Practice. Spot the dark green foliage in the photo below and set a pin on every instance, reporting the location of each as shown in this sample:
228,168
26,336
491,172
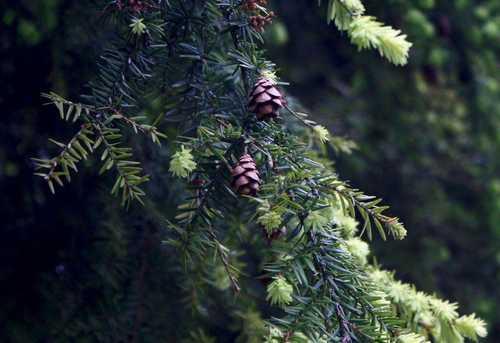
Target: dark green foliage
109,279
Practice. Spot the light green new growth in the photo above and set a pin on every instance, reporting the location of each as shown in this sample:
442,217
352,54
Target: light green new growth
411,338
279,292
182,163
427,316
321,133
315,220
275,335
366,32
341,12
221,279
359,249
347,224
269,219
138,27
471,327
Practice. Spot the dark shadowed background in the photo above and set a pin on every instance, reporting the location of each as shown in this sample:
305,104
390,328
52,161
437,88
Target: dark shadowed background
428,138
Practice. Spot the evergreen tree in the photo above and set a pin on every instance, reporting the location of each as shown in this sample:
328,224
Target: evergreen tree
264,245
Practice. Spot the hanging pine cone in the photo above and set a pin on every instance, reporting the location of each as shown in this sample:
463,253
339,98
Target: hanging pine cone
246,177
259,22
274,235
253,5
265,99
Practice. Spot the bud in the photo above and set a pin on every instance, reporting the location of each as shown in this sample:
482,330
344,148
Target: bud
321,133
270,221
398,231
471,327
279,292
358,249
443,309
220,278
138,27
274,335
411,338
182,163
315,221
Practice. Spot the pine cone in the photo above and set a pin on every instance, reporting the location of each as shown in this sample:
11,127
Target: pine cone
265,99
246,177
276,234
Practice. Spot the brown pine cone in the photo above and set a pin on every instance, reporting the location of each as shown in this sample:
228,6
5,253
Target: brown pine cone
251,5
137,5
276,234
265,99
246,177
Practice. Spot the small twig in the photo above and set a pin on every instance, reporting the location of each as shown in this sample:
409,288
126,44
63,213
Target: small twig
301,117
223,257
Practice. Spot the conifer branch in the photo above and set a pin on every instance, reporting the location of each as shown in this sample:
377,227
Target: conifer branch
80,146
68,110
366,32
426,314
77,149
129,172
134,123
370,211
223,254
317,276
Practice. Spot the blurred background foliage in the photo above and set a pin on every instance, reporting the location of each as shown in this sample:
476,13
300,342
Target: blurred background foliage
428,138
